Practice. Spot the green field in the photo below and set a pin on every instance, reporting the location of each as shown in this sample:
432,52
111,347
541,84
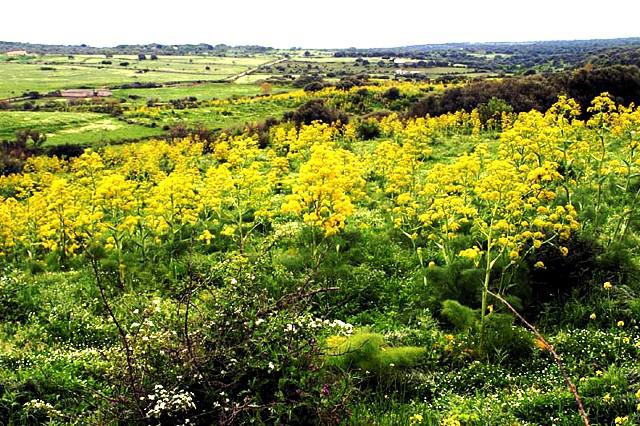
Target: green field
48,73
201,91
72,128
217,116
378,253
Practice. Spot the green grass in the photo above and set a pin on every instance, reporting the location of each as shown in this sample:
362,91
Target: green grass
202,91
220,117
72,128
17,77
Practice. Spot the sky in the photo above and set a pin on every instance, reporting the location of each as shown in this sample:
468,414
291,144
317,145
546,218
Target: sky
313,24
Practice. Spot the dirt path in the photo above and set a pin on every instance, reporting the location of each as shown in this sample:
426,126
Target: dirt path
233,78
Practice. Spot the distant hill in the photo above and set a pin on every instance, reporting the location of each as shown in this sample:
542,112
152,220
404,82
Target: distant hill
133,49
494,57
515,57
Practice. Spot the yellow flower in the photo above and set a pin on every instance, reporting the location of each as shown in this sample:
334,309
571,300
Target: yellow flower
607,285
470,253
593,316
416,418
539,265
206,236
620,323
450,421
621,420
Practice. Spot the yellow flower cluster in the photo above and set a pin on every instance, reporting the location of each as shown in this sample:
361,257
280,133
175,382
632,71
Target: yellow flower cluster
325,187
502,199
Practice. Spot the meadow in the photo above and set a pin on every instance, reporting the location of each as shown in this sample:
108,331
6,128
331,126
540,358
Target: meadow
343,250
49,73
89,122
335,275
198,90
81,128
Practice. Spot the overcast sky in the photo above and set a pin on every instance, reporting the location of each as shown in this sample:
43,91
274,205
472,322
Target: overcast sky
313,24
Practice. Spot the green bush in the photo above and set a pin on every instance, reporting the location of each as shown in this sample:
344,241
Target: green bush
368,352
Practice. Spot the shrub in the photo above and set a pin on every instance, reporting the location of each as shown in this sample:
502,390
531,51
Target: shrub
501,340
316,110
462,317
306,79
392,94
367,351
368,129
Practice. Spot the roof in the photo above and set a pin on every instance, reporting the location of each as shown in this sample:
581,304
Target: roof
85,93
77,93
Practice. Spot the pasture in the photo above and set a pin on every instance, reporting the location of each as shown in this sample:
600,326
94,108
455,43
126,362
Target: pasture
72,127
44,74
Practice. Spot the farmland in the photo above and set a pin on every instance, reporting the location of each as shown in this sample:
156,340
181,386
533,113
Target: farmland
198,90
72,128
165,79
289,236
50,73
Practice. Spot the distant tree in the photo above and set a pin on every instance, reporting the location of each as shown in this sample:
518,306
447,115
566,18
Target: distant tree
392,93
142,57
154,57
124,64
307,54
621,81
306,79
314,86
32,95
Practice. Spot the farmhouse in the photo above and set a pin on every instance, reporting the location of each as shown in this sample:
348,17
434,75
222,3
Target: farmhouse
17,53
85,93
407,72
